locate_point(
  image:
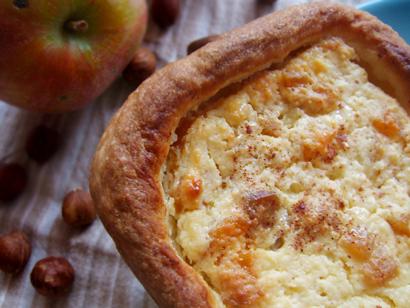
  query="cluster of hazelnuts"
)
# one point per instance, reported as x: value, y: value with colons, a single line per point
x: 51, y: 276
x: 164, y: 13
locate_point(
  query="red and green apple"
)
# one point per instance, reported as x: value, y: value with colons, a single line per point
x: 59, y: 55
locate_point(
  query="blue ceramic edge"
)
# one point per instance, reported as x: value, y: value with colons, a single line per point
x: 392, y: 12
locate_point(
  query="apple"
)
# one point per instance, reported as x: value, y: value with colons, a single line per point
x: 59, y: 55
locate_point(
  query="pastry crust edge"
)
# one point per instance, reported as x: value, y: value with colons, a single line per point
x: 125, y: 179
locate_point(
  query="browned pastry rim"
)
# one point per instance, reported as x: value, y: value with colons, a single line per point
x: 126, y: 173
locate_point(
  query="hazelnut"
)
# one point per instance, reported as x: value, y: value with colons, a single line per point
x: 165, y: 12
x: 15, y: 250
x: 13, y: 181
x: 194, y: 45
x: 52, y: 276
x: 42, y: 143
x: 78, y: 208
x: 20, y: 4
x: 142, y: 66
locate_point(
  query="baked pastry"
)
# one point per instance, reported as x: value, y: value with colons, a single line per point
x: 270, y: 168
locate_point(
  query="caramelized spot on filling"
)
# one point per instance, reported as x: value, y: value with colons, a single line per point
x: 297, y: 88
x: 387, y: 126
x: 325, y: 147
x: 294, y: 79
x: 400, y: 225
x: 318, y: 66
x: 358, y: 243
x: 187, y: 194
x: 237, y: 282
x: 230, y: 229
x: 261, y: 89
x: 239, y: 288
x: 380, y: 269
x: 245, y: 260
x: 261, y: 208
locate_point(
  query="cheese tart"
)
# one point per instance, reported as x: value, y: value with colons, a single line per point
x: 270, y: 168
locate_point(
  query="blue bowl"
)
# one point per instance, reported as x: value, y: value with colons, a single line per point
x: 395, y: 13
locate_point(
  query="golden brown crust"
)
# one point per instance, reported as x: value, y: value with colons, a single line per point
x: 126, y: 173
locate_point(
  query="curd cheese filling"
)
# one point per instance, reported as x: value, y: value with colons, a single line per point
x: 293, y: 190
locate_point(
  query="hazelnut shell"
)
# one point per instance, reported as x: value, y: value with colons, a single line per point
x: 142, y: 65
x: 165, y: 12
x: 52, y: 276
x: 13, y: 181
x: 78, y: 208
x: 42, y: 143
x: 15, y: 251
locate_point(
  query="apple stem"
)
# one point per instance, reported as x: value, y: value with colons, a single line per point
x: 77, y: 25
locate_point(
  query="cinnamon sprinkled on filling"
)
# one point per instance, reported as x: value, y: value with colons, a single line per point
x: 293, y: 189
